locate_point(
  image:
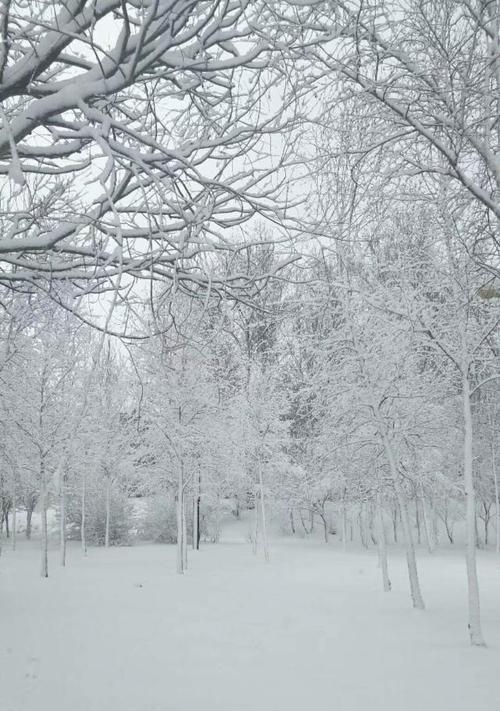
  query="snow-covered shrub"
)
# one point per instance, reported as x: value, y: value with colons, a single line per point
x: 121, y: 521
x: 159, y: 521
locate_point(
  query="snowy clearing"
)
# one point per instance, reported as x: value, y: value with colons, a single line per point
x: 120, y: 631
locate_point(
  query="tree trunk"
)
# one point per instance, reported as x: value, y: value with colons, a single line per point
x: 417, y: 521
x: 303, y: 522
x: 416, y: 594
x: 474, y: 622
x: 62, y: 521
x: 449, y: 530
x: 180, y: 557
x: 344, y: 526
x: 371, y: 525
x: 180, y: 527
x: 184, y: 534
x: 427, y: 531
x: 195, y: 523
x: 325, y: 527
x: 292, y: 522
x: 198, y: 520
x: 108, y: 512
x: 263, y: 513
x: 395, y: 523
x: 83, y: 531
x: 382, y: 549
x: 1, y: 514
x: 217, y: 519
x: 497, y: 495
x: 255, y: 526
x: 7, y: 527
x: 486, y: 509
x: 14, y: 517
x: 435, y: 525
x: 361, y: 527
x: 29, y: 515
x: 196, y: 516
x: 44, y: 568
x: 478, y: 539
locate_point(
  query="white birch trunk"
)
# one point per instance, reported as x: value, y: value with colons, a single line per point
x: 474, y: 623
x: 255, y: 526
x: 1, y: 516
x: 362, y: 532
x: 265, y: 541
x: 83, y: 532
x: 344, y: 526
x: 195, y: 522
x: 435, y: 525
x: 14, y: 516
x: 217, y: 520
x: 44, y: 567
x: 62, y: 521
x: 326, y: 524
x: 371, y: 524
x: 497, y: 501
x: 180, y: 526
x: 427, y: 530
x: 417, y: 521
x: 382, y: 548
x: 416, y: 594
x: 180, y: 557
x: 108, y: 512
x: 497, y: 514
x: 184, y: 533
x: 395, y: 523
x: 494, y: 38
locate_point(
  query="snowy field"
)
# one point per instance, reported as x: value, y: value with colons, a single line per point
x: 120, y: 631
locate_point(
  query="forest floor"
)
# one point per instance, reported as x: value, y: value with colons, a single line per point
x: 120, y: 631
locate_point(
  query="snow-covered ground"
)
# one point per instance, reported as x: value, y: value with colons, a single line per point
x: 120, y: 631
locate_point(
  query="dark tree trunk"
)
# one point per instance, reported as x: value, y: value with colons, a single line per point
x: 304, y: 523
x: 417, y: 521
x: 324, y: 520
x: 362, y: 528
x: 449, y: 530
x: 487, y: 517
x: 479, y: 543
x: 198, y: 531
x: 395, y: 523
x: 29, y: 514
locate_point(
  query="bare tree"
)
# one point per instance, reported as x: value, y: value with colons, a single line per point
x: 428, y: 74
x: 136, y: 134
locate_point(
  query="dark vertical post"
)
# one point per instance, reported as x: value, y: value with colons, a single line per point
x: 198, y: 533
